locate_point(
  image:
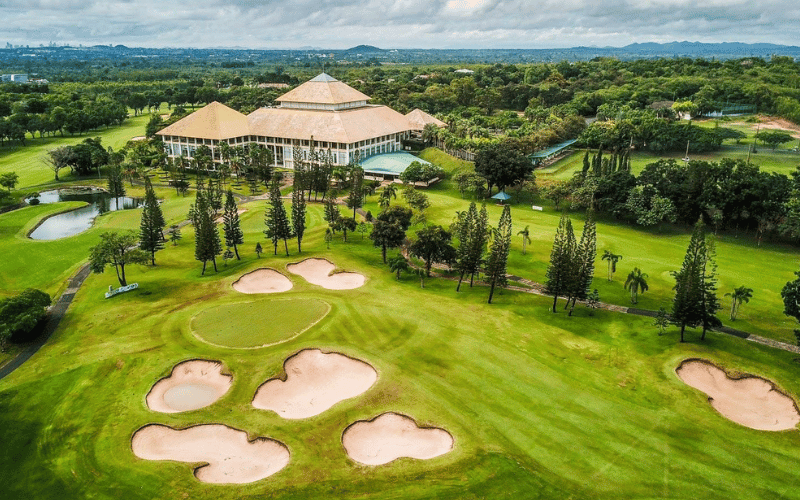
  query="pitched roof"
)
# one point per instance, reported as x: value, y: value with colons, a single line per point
x: 419, y: 119
x: 215, y: 121
x: 323, y: 89
x: 346, y: 126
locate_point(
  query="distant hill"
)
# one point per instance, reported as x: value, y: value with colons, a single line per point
x: 363, y: 49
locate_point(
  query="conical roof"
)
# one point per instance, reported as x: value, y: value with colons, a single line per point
x: 215, y: 121
x: 419, y: 119
x: 323, y: 89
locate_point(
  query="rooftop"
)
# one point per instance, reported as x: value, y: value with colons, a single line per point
x: 323, y: 89
x: 215, y: 121
x: 390, y: 163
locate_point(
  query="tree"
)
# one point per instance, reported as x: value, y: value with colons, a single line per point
x: 583, y: 264
x: 355, y: 199
x: 59, y: 158
x: 299, y: 217
x: 593, y: 301
x: 116, y: 186
x: 259, y: 250
x: 498, y: 253
x: 363, y: 228
x: 636, y: 282
x: 20, y: 314
x: 117, y: 250
x: 9, y: 180
x: 432, y: 245
x: 612, y: 259
x: 791, y: 301
x: 560, y: 268
x: 557, y: 191
x: 207, y: 243
x: 711, y: 303
x: 277, y: 221
x: 231, y: 227
x: 687, y: 306
x: 387, y: 232
x: 662, y: 320
x: 345, y: 224
x: 502, y: 165
x: 774, y: 138
x: 174, y: 234
x: 398, y: 264
x: 329, y: 238
x: 739, y: 295
x: 151, y: 236
x: 526, y: 238
x: 471, y: 231
x: 385, y: 198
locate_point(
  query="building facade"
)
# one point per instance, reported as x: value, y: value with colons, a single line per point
x: 323, y: 113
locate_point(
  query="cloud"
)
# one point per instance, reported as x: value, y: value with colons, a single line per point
x: 397, y: 23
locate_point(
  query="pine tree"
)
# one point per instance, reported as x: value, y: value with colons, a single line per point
x: 207, y: 244
x: 479, y: 241
x: 299, y: 216
x: 230, y: 224
x: 151, y: 237
x: 332, y: 213
x: 688, y: 304
x: 174, y: 234
x: 355, y: 199
x: 116, y: 184
x: 560, y: 269
x: 278, y: 224
x: 711, y: 303
x: 464, y: 230
x: 583, y: 263
x: 498, y: 255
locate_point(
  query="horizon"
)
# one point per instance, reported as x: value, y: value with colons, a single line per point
x: 406, y: 24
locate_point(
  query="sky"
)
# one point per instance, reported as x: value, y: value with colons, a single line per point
x: 340, y: 24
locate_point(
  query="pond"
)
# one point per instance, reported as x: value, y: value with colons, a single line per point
x: 76, y: 221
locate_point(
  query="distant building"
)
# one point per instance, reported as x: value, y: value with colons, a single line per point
x: 322, y: 113
x: 15, y: 78
x: 464, y: 71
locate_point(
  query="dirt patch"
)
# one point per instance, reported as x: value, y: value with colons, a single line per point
x: 391, y: 436
x: 771, y: 123
x: 221, y: 218
x: 228, y: 455
x: 748, y: 400
x: 315, y: 381
x: 263, y: 281
x: 318, y: 272
x: 192, y: 385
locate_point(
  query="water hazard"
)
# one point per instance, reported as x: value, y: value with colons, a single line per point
x: 76, y: 221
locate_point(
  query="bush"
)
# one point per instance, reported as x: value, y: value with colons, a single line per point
x: 20, y: 315
x: 421, y: 172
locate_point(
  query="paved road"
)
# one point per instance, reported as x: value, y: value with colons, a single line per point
x: 57, y: 312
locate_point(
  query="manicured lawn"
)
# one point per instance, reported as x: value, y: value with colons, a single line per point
x: 541, y: 405
x: 27, y: 161
x: 258, y: 322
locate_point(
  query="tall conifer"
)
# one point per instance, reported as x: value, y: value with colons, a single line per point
x: 299, y: 216
x: 498, y: 255
x: 561, y: 260
x: 688, y: 304
x: 151, y: 236
x: 230, y: 224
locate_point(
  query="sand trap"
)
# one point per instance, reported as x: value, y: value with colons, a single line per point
x: 750, y: 401
x: 193, y: 384
x: 318, y: 272
x: 315, y: 381
x: 229, y: 456
x: 263, y: 281
x: 391, y: 436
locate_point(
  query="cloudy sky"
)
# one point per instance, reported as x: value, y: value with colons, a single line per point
x: 396, y: 23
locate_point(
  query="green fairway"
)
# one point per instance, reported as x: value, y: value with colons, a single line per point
x: 540, y: 405
x: 258, y: 323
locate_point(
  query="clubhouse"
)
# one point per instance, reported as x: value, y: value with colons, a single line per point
x: 335, y: 116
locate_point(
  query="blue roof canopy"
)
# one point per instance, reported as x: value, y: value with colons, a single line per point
x: 390, y: 163
x: 502, y: 196
x: 552, y: 150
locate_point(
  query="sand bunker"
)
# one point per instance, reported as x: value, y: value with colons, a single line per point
x: 315, y: 381
x: 193, y: 384
x: 750, y: 401
x: 318, y: 272
x: 263, y: 281
x: 391, y: 436
x: 229, y: 456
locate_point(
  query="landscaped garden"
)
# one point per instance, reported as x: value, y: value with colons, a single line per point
x: 536, y: 404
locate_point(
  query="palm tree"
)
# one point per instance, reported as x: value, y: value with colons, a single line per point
x: 526, y: 238
x: 612, y: 262
x: 739, y: 295
x: 636, y: 282
x: 389, y: 192
x: 398, y: 264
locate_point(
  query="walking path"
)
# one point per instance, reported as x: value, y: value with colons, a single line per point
x: 56, y: 312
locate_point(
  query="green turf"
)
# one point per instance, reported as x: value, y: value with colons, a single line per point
x: 258, y: 323
x: 541, y: 405
x: 28, y: 161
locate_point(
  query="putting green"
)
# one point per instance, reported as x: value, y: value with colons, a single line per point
x: 258, y: 324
